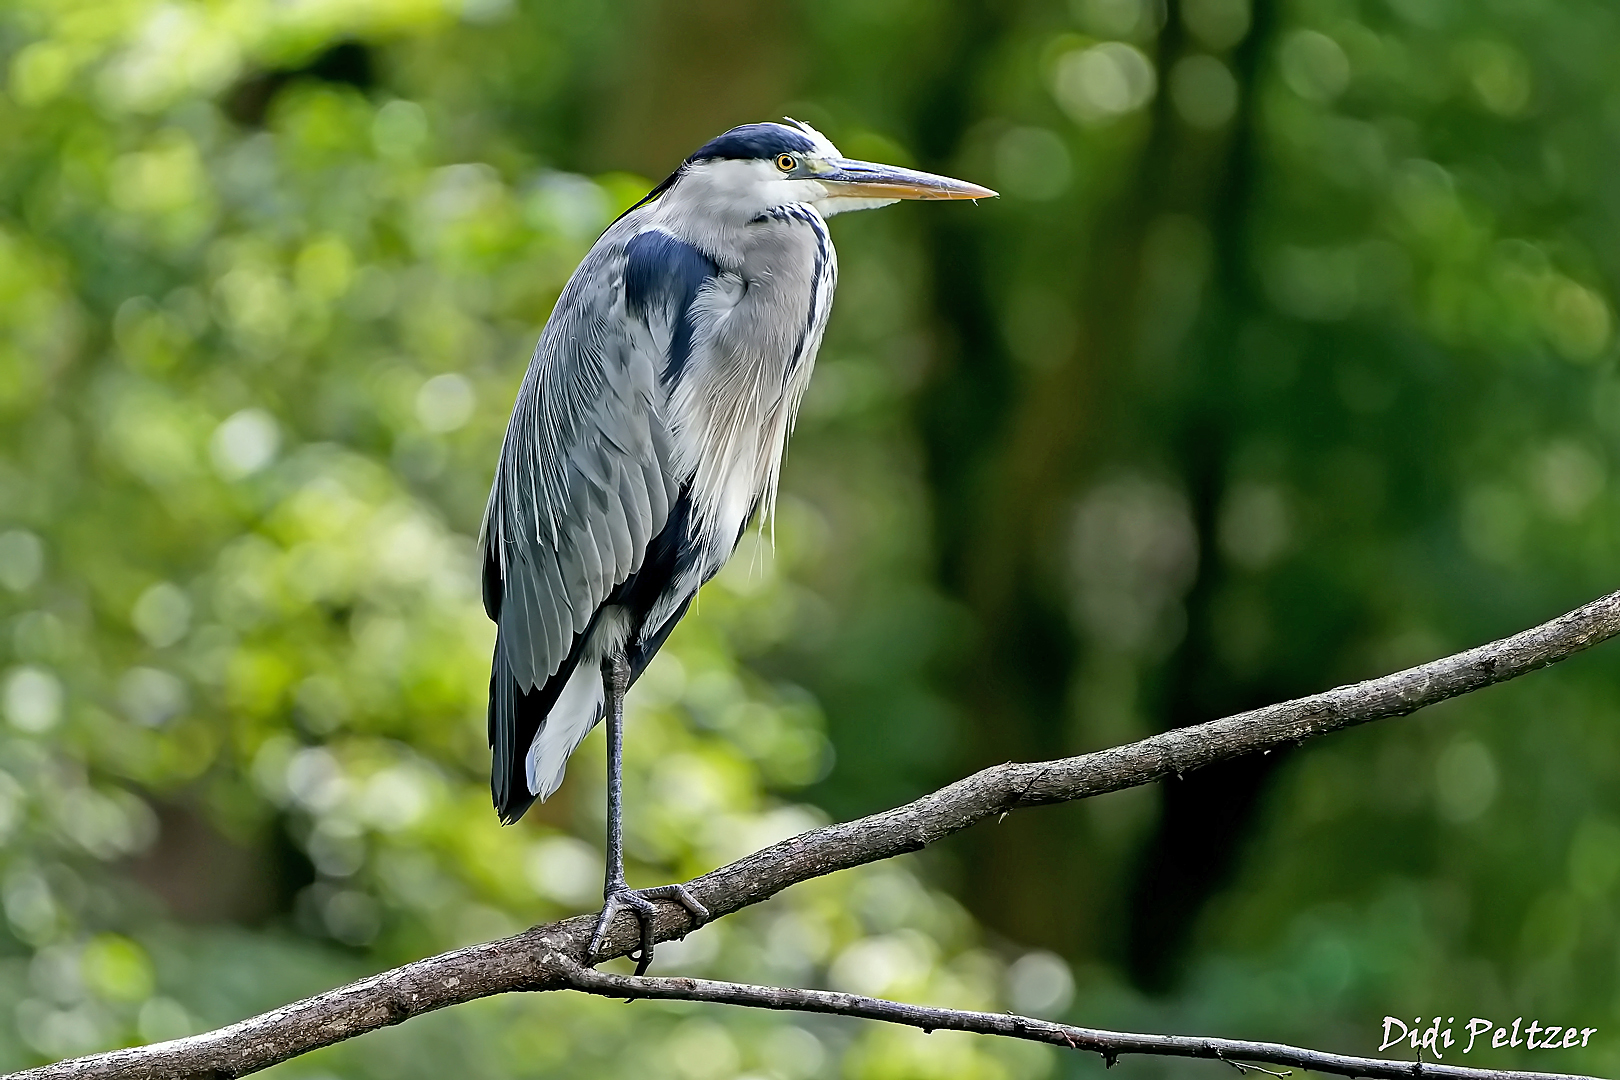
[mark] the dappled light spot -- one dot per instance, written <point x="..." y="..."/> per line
<point x="161" y="179"/>
<point x="1426" y="195"/>
<point x="398" y="797"/>
<point x="1203" y="91"/>
<point x="1498" y="76"/>
<point x="336" y="846"/>
<point x="40" y="71"/>
<point x="257" y="307"/>
<point x="400" y="129"/>
<point x="117" y="968"/>
<point x="1314" y="66"/>
<point x="346" y="62"/>
<point x="174" y="49"/>
<point x="701" y="1049"/>
<point x="107" y="824"/>
<point x="315" y="779"/>
<point x="31" y="909"/>
<point x="351" y="917"/>
<point x="1032" y="163"/>
<point x="1100" y="84"/>
<point x="1568" y="477"/>
<point x="162" y="614"/>
<point x="1465" y="781"/>
<point x="22" y="559"/>
<point x="162" y="1018"/>
<point x="150" y="696"/>
<point x="694" y="954"/>
<point x="445" y="402"/>
<point x="245" y="443"/>
<point x="154" y="437"/>
<point x="1255" y="525"/>
<point x="323" y="704"/>
<point x="573" y="206"/>
<point x="797" y="1053"/>
<point x="32" y="699"/>
<point x="1577" y="319"/>
<point x="797" y="943"/>
<point x="324" y="269"/>
<point x="566" y="870"/>
<point x="890" y="966"/>
<point x="1219" y="24"/>
<point x="1133" y="19"/>
<point x="13" y="804"/>
<point x="1313" y="283"/>
<point x="1039" y="983"/>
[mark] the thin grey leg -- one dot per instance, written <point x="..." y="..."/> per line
<point x="616" y="894"/>
<point x="615" y="681"/>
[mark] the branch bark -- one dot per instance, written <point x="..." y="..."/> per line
<point x="548" y="957"/>
<point x="1110" y="1044"/>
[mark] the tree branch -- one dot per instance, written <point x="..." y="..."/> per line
<point x="546" y="957"/>
<point x="1110" y="1044"/>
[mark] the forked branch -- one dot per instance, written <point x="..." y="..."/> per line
<point x="548" y="957"/>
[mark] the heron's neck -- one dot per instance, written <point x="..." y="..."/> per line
<point x="712" y="206"/>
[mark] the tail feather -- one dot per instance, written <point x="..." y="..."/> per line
<point x="533" y="732"/>
<point x="572" y="717"/>
<point x="516" y="718"/>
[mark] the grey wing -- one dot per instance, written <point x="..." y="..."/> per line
<point x="583" y="485"/>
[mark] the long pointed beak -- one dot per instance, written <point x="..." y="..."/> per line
<point x="869" y="180"/>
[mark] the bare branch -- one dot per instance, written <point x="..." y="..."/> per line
<point x="544" y="957"/>
<point x="1110" y="1044"/>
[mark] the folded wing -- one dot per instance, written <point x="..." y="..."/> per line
<point x="584" y="485"/>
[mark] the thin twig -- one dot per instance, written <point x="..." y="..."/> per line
<point x="1245" y="1067"/>
<point x="1107" y="1043"/>
<point x="520" y="962"/>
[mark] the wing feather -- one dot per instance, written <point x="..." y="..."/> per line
<point x="598" y="580"/>
<point x="616" y="525"/>
<point x="522" y="629"/>
<point x="586" y="476"/>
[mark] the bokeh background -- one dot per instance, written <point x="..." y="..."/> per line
<point x="1287" y="358"/>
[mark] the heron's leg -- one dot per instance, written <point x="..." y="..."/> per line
<point x="616" y="894"/>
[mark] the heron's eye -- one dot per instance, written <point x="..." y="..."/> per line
<point x="785" y="162"/>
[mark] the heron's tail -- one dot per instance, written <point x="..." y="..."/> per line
<point x="577" y="710"/>
<point x="533" y="731"/>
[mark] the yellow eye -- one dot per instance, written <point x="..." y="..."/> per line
<point x="785" y="162"/>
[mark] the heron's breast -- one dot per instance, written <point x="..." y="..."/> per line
<point x="759" y="325"/>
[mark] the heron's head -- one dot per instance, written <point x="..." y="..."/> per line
<point x="752" y="168"/>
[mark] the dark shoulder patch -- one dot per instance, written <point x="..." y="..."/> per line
<point x="667" y="272"/>
<point x="754" y="142"/>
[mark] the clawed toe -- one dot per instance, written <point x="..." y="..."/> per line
<point x="639" y="903"/>
<point x="682" y="896"/>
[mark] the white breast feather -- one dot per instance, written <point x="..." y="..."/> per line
<point x="734" y="407"/>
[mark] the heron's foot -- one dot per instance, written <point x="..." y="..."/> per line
<point x="639" y="903"/>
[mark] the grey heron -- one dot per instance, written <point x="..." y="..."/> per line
<point x="648" y="431"/>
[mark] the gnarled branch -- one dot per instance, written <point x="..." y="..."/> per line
<point x="1110" y="1044"/>
<point x="547" y="957"/>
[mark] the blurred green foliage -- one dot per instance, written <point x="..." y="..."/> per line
<point x="1287" y="358"/>
<point x="260" y="337"/>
